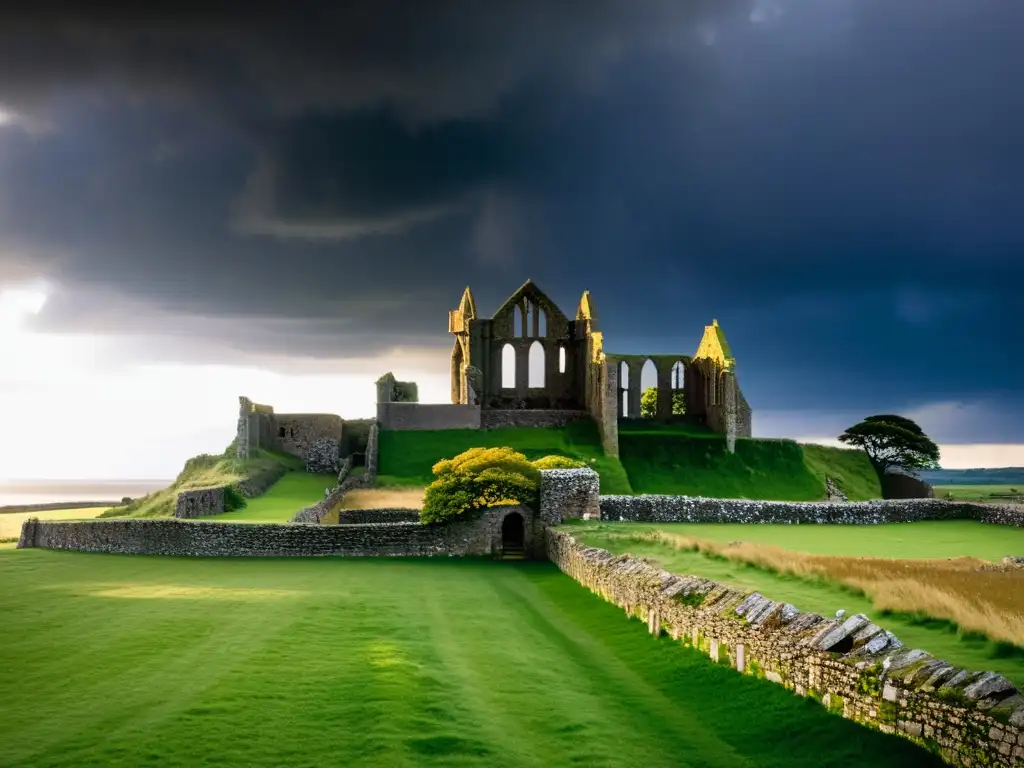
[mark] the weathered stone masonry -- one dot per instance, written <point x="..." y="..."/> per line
<point x="478" y="535"/>
<point x="853" y="667"/>
<point x="692" y="509"/>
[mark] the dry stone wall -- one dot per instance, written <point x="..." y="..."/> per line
<point x="479" y="535"/>
<point x="501" y="418"/>
<point x="370" y="471"/>
<point x="569" y="493"/>
<point x="322" y="456"/>
<point x="387" y="515"/>
<point x="694" y="509"/>
<point x="258" y="483"/>
<point x="427" y="416"/>
<point x="852" y="666"/>
<point x="201" y="503"/>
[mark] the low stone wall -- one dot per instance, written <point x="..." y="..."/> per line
<point x="569" y="493"/>
<point x="201" y="503"/>
<point x="693" y="509"/>
<point x="362" y="516"/>
<point x="260" y="482"/>
<point x="479" y="535"/>
<point x="427" y="416"/>
<point x="315" y="513"/>
<point x="500" y="418"/>
<point x="851" y="666"/>
<point x="344" y="469"/>
<point x="370" y="464"/>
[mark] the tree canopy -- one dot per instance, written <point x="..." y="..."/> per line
<point x="893" y="442"/>
<point x="649" y="402"/>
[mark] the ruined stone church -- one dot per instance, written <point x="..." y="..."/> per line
<point x="494" y="385"/>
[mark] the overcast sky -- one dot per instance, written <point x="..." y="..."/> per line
<point x="285" y="205"/>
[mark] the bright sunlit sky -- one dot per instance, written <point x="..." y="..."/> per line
<point x="200" y="205"/>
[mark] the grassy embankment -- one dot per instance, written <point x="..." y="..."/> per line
<point x="208" y="470"/>
<point x="684" y="460"/>
<point x="374" y="662"/>
<point x="406" y="458"/>
<point x="959" y="608"/>
<point x="655" y="458"/>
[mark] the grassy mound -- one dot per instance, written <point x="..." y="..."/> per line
<point x="204" y="471"/>
<point x="701" y="466"/>
<point x="406" y="457"/>
<point x="688" y="459"/>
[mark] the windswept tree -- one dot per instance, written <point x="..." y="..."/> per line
<point x="893" y="443"/>
<point x="649" y="402"/>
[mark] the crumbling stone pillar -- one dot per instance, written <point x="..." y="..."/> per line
<point x="608" y="414"/>
<point x="729" y="385"/>
<point x="242" y="436"/>
<point x="28" y="533"/>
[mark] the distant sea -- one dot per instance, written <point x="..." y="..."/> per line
<point x="63" y="491"/>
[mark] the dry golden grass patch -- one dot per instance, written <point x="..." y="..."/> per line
<point x="383" y="498"/>
<point x="976" y="595"/>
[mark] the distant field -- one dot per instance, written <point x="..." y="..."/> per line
<point x="10" y="522"/>
<point x="881" y="571"/>
<point x="982" y="492"/>
<point x="112" y="660"/>
<point x="283" y="499"/>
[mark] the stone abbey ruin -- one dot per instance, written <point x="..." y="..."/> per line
<point x="851" y="665"/>
<point x="491" y="383"/>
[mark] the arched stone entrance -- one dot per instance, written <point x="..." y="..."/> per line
<point x="513" y="536"/>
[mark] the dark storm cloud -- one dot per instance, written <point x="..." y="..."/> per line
<point x="836" y="182"/>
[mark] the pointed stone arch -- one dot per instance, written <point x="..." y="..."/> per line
<point x="537" y="362"/>
<point x="508" y="367"/>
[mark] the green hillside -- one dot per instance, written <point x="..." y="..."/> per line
<point x="204" y="471"/>
<point x="690" y="460"/>
<point x="679" y="458"/>
<point x="406" y="457"/>
<point x="847" y="466"/>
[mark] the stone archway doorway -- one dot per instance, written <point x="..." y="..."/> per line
<point x="513" y="537"/>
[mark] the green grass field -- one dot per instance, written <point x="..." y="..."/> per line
<point x="283" y="499"/>
<point x="911" y="540"/>
<point x="932" y="539"/>
<point x="407" y="457"/>
<point x="981" y="492"/>
<point x="10" y="522"/>
<point x="327" y="661"/>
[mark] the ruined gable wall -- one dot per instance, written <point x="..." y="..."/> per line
<point x="561" y="390"/>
